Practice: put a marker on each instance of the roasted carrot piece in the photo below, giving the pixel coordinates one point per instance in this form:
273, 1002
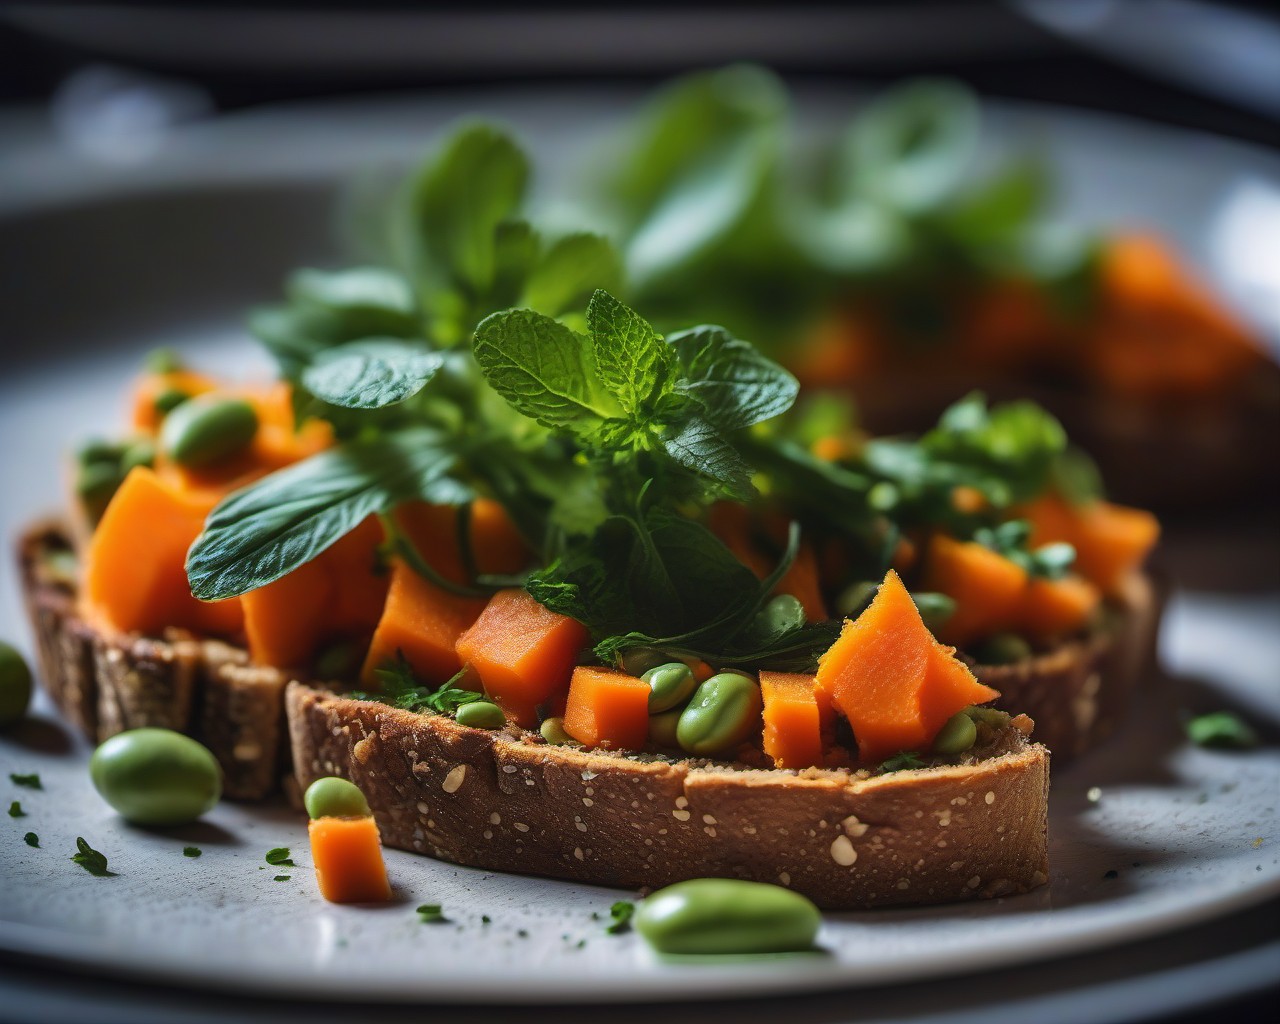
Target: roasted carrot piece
358, 586
607, 708
284, 621
731, 523
801, 582
347, 853
1055, 607
873, 673
894, 683
986, 587
523, 652
495, 542
1111, 541
798, 719
135, 578
423, 622
838, 351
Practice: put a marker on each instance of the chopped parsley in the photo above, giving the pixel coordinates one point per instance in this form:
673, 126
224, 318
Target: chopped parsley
16, 811
402, 689
31, 781
431, 913
485, 919
31, 839
621, 914
902, 761
281, 878
279, 857
191, 851
90, 859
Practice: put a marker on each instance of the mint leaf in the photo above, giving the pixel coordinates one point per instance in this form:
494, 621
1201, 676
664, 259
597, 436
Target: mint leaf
1223, 729
459, 200
544, 370
279, 857
1002, 204
31, 781
378, 297
901, 762
736, 385
370, 374
698, 446
620, 915
571, 269
32, 840
16, 811
265, 531
632, 361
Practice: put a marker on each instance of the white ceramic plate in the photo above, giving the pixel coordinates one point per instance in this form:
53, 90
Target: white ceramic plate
1190, 834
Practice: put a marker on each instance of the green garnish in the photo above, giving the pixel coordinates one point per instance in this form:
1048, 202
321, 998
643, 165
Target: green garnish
620, 914
90, 859
281, 878
31, 839
191, 851
1222, 729
902, 761
16, 811
431, 913
31, 781
279, 857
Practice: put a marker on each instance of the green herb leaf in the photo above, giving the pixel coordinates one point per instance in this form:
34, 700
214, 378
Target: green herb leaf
90, 859
736, 385
901, 762
544, 370
700, 447
279, 857
268, 529
191, 851
31, 839
370, 374
570, 271
281, 878
1223, 729
31, 781
620, 914
16, 811
371, 299
432, 913
632, 361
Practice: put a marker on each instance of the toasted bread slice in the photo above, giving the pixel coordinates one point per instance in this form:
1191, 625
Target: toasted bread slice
107, 682
508, 801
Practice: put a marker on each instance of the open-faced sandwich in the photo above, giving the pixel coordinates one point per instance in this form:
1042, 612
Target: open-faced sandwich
567, 597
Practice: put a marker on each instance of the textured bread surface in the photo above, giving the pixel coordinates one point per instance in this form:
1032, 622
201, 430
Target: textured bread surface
107, 682
506, 801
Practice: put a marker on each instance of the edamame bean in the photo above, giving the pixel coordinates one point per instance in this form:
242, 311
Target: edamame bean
208, 429
780, 615
156, 776
934, 609
333, 797
636, 661
552, 730
481, 714
662, 728
721, 714
15, 684
169, 399
141, 453
1002, 649
99, 451
97, 480
989, 717
957, 735
855, 597
727, 915
669, 685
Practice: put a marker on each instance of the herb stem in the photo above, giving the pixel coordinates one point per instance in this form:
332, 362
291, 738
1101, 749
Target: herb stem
404, 548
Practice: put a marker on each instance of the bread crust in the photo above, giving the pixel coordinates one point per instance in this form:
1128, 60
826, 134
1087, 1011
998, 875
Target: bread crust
106, 682
506, 801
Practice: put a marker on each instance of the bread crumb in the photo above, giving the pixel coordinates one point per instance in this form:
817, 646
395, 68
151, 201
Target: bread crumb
455, 778
842, 851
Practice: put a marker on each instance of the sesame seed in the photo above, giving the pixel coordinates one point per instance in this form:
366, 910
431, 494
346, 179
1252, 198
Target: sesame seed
680, 815
974, 882
990, 798
495, 818
454, 779
1094, 794
520, 826
842, 851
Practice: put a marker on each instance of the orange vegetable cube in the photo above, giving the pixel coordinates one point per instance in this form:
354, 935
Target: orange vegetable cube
798, 719
986, 587
523, 652
607, 709
1056, 607
347, 853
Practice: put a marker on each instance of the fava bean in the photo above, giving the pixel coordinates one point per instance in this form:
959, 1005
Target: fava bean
141, 453
723, 711
988, 716
552, 730
725, 916
934, 609
338, 661
662, 728
334, 797
156, 776
636, 661
169, 399
1002, 649
15, 684
957, 735
780, 615
669, 685
208, 429
481, 714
